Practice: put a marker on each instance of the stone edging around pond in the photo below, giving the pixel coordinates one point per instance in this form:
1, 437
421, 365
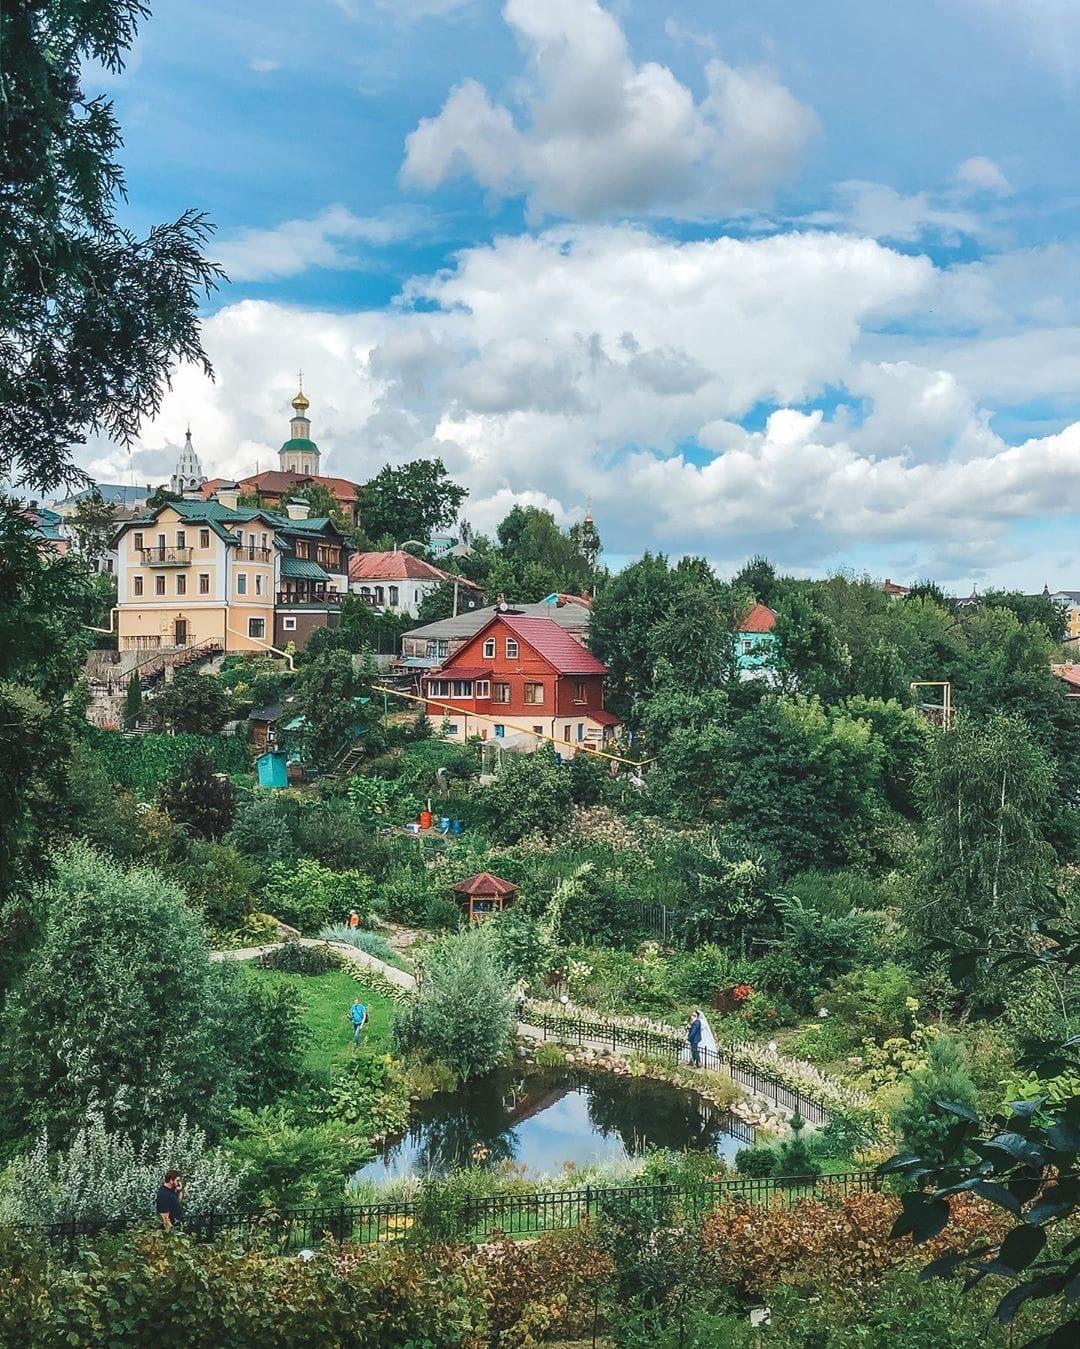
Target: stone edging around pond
714, 1087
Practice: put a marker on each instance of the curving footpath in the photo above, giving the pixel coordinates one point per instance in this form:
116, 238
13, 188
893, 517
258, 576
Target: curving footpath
350, 954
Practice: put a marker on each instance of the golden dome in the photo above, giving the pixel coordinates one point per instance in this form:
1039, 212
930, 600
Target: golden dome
300, 403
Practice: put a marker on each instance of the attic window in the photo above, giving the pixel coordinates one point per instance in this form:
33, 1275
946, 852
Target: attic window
511, 649
489, 649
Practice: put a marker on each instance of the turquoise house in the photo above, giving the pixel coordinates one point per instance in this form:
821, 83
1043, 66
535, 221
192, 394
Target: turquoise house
754, 641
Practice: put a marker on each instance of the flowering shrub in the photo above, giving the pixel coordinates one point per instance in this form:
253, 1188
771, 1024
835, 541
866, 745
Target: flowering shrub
827, 1245
741, 992
103, 1176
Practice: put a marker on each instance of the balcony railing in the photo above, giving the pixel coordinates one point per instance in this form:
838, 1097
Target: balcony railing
245, 553
166, 557
299, 598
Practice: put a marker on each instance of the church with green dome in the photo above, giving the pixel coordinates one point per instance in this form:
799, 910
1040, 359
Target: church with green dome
300, 454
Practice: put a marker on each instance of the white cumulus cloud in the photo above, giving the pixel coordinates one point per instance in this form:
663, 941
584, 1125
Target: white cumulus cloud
600, 135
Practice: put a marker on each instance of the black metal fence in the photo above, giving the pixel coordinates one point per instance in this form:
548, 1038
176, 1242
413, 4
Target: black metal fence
440, 1217
657, 1044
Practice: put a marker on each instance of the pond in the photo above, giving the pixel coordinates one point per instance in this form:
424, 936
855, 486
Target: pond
542, 1122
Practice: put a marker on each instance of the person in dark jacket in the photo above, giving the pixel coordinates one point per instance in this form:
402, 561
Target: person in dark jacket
693, 1036
170, 1207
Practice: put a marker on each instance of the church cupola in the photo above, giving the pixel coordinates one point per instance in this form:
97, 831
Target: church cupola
300, 454
188, 476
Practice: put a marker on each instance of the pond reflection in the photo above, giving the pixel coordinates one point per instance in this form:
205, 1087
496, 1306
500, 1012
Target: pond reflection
545, 1121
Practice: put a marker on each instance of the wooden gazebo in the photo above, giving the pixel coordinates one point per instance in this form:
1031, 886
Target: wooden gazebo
484, 895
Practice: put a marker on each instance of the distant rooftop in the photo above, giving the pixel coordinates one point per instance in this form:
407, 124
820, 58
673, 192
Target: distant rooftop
573, 616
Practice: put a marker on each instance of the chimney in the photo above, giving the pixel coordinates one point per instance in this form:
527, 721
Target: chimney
228, 495
296, 508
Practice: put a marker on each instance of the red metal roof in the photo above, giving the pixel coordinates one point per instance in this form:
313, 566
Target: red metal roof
396, 566
760, 619
281, 483
484, 883
1069, 673
604, 718
557, 646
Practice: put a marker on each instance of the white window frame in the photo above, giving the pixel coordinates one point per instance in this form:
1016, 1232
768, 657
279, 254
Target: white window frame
461, 688
483, 688
511, 649
137, 587
500, 685
288, 624
489, 648
159, 584
204, 576
533, 702
181, 583
241, 583
258, 583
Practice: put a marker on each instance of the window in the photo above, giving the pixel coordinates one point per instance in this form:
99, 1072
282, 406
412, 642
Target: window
181, 538
580, 731
438, 688
241, 583
159, 585
489, 649
204, 583
136, 585
393, 594
258, 583
579, 690
534, 694
442, 648
108, 565
538, 730
138, 543
288, 624
451, 728
566, 733
181, 584
483, 688
264, 540
462, 688
378, 595
161, 542
500, 730
511, 649
747, 646
502, 693
204, 538
257, 628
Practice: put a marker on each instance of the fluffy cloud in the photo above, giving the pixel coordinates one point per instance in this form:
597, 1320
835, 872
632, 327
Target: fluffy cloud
321, 241
602, 135
983, 175
583, 362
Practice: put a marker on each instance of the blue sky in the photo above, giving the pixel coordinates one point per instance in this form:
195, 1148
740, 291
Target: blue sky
782, 277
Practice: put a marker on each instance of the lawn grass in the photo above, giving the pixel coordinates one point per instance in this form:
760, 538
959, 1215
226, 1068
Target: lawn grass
327, 999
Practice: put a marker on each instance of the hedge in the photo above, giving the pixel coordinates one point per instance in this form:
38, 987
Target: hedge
141, 763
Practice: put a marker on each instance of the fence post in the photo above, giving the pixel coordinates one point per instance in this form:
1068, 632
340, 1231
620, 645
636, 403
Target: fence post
588, 1203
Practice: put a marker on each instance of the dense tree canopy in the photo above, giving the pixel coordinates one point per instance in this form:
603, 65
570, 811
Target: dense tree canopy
410, 502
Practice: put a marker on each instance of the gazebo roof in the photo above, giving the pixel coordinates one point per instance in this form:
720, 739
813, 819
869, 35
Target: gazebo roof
484, 883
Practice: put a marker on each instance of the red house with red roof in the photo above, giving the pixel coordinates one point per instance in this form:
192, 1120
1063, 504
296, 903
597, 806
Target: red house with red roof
522, 676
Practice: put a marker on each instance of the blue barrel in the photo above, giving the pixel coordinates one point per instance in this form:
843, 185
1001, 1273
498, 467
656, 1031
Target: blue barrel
455, 827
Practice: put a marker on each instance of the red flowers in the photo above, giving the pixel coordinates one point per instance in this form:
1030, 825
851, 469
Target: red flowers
741, 992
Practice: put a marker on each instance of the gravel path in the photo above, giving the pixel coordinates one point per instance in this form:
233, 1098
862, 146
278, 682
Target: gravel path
350, 954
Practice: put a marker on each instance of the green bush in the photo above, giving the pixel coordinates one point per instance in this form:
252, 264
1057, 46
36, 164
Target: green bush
292, 957
309, 896
370, 1095
464, 1012
924, 1131
531, 795
756, 1162
288, 1165
220, 883
142, 763
371, 943
794, 1157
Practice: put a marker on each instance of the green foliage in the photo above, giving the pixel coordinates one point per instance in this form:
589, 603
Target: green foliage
624, 614
372, 943
537, 558
410, 501
120, 1006
194, 704
92, 318
590, 780
810, 656
220, 882
373, 798
985, 861
370, 1095
132, 702
142, 763
103, 1176
945, 1077
793, 1157
524, 945
757, 1162
463, 1013
309, 896
292, 957
271, 1025
286, 1165
199, 799
532, 794
325, 696
804, 781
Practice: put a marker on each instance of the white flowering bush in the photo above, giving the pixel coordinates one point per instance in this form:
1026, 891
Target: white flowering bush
102, 1176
